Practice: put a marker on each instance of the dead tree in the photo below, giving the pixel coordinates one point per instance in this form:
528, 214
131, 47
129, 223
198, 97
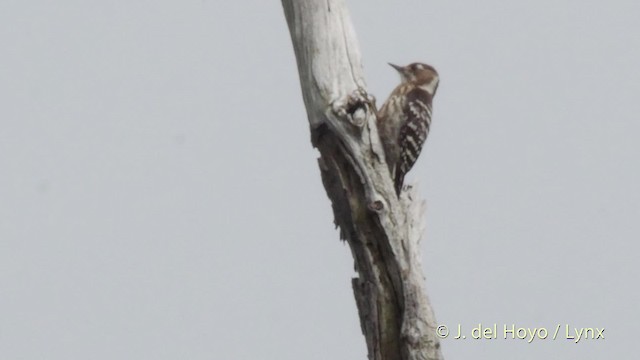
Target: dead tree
382, 231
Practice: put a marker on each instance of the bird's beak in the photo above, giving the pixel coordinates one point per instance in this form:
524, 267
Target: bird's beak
399, 69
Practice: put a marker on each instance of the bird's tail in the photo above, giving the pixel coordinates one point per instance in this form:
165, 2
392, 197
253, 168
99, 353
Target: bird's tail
399, 180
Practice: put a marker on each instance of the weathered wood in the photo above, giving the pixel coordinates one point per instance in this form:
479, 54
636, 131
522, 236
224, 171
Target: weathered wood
383, 232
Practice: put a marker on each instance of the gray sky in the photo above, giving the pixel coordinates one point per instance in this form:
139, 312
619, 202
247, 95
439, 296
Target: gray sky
160, 199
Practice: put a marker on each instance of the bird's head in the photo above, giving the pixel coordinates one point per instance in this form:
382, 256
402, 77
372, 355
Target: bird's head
422, 75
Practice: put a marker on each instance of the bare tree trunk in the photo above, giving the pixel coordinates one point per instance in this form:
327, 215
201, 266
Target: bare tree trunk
383, 231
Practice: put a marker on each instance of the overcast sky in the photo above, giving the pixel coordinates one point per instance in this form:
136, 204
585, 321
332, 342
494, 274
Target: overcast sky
160, 198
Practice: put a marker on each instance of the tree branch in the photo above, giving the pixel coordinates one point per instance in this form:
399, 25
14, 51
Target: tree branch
383, 231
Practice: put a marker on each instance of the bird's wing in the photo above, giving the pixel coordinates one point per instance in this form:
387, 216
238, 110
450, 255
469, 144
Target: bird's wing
413, 133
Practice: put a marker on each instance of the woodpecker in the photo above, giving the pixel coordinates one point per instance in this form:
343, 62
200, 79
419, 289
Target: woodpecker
405, 118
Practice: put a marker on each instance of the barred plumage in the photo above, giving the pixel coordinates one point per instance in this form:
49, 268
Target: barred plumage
405, 118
